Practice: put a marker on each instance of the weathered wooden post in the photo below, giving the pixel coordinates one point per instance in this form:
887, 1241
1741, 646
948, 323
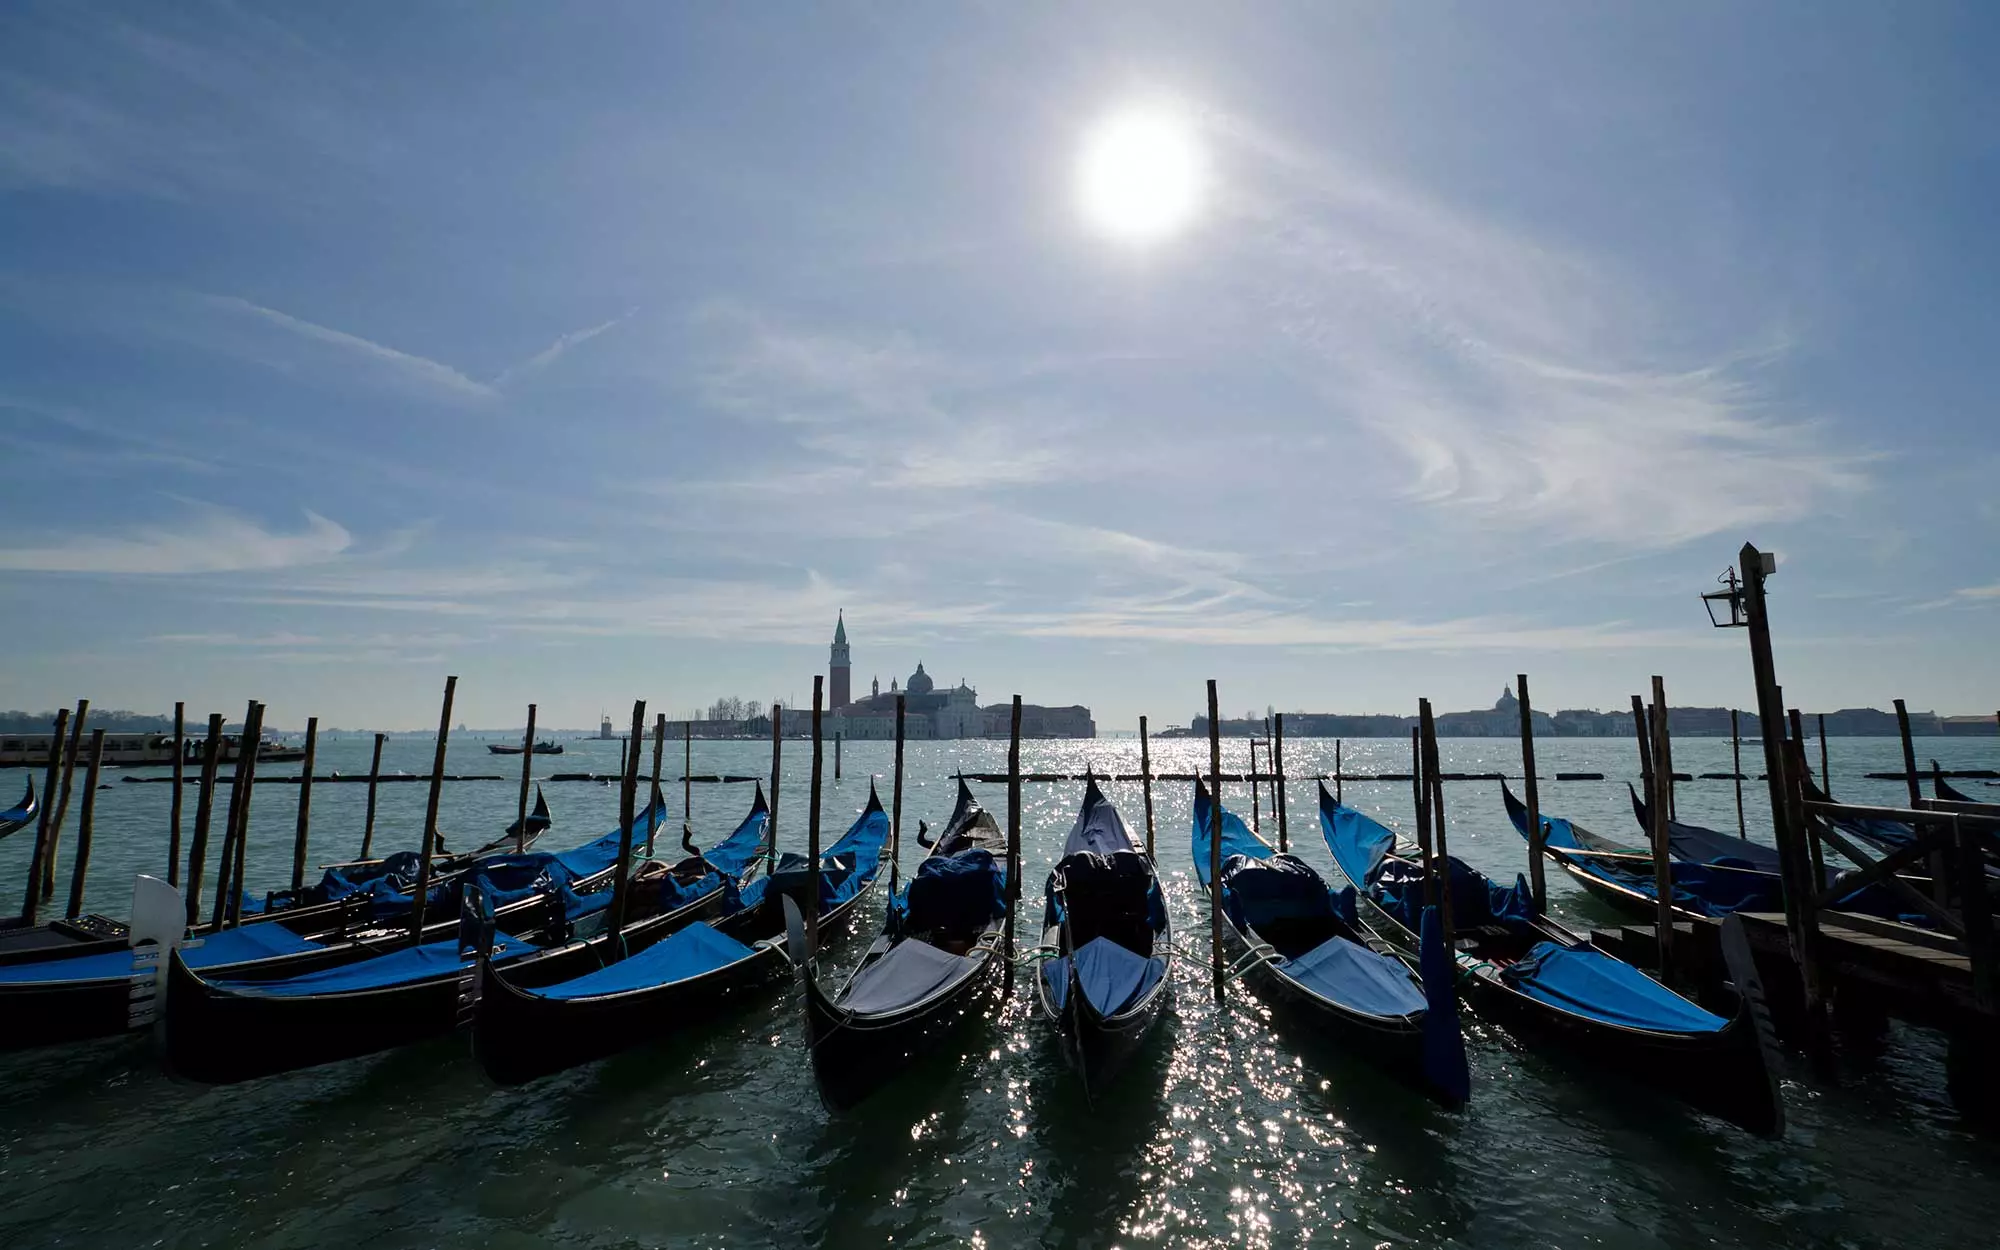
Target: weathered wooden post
1013, 831
659, 754
86, 825
1215, 839
374, 780
1644, 733
837, 738
687, 771
1663, 876
1825, 760
1420, 794
1435, 773
812, 818
1939, 862
1256, 818
204, 814
896, 802
1278, 767
238, 873
1338, 768
225, 863
299, 839
1909, 753
1537, 836
431, 814
174, 806
1812, 843
1787, 817
628, 816
1736, 767
1663, 752
1146, 783
527, 779
777, 769
31, 900
71, 754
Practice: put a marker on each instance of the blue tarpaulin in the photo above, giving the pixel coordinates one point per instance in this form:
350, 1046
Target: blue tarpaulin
408, 966
1236, 836
1591, 983
1112, 977
1358, 843
1357, 978
1284, 887
954, 893
231, 946
691, 952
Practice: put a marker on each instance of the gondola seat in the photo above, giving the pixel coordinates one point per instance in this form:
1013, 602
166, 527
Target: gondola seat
1110, 896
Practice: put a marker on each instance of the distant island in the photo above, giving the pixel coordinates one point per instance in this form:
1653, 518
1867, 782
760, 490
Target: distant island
1503, 720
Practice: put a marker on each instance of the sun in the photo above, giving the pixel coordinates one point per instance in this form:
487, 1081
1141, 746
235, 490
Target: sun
1140, 175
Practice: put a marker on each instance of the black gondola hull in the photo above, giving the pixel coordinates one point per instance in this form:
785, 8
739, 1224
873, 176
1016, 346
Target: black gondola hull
853, 1056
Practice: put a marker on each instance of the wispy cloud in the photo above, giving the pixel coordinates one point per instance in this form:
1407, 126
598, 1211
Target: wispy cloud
212, 540
1520, 383
554, 351
418, 369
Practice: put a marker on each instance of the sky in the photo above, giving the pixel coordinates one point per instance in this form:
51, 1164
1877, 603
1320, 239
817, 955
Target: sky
604, 352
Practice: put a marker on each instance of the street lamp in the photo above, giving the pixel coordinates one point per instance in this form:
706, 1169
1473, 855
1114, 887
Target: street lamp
1734, 595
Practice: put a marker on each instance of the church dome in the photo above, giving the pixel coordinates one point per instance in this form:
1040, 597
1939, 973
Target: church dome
919, 683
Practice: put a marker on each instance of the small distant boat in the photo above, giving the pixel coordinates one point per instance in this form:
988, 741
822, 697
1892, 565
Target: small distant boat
22, 814
1308, 951
933, 967
536, 1016
548, 747
1107, 979
1549, 985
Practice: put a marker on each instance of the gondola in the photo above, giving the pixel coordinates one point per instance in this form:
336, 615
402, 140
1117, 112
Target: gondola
1107, 978
1621, 875
75, 996
250, 1024
936, 963
1306, 951
1551, 986
540, 748
536, 1015
1942, 788
347, 898
22, 814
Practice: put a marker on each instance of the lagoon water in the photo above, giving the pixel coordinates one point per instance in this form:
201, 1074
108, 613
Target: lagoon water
1228, 1132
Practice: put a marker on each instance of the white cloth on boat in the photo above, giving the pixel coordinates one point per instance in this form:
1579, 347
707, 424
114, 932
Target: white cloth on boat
1101, 829
911, 971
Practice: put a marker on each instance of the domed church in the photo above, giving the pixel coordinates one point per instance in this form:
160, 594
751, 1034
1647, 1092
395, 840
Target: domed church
932, 713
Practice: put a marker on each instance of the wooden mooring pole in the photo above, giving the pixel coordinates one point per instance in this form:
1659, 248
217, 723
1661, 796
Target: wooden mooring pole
527, 779
777, 769
1278, 792
1420, 795
1434, 772
1736, 767
430, 835
204, 814
1663, 748
1215, 839
1338, 797
1657, 808
174, 806
837, 738
1644, 733
1146, 783
896, 801
1537, 836
70, 756
628, 816
1825, 760
812, 816
374, 781
304, 831
1013, 830
687, 771
659, 754
86, 825
31, 900
239, 798
1256, 816
1812, 843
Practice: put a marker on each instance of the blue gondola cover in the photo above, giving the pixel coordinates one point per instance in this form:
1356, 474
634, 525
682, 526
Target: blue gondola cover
1357, 978
404, 967
1112, 977
690, 952
954, 893
1592, 983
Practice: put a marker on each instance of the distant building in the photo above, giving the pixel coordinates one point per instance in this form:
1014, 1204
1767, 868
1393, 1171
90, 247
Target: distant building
837, 667
929, 712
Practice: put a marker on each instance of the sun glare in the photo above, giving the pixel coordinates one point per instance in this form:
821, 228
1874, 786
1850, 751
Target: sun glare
1140, 176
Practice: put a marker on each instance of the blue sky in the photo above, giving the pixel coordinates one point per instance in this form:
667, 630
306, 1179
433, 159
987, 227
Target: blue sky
605, 352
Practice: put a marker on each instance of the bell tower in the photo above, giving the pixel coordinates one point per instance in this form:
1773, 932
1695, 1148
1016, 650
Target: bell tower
837, 668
